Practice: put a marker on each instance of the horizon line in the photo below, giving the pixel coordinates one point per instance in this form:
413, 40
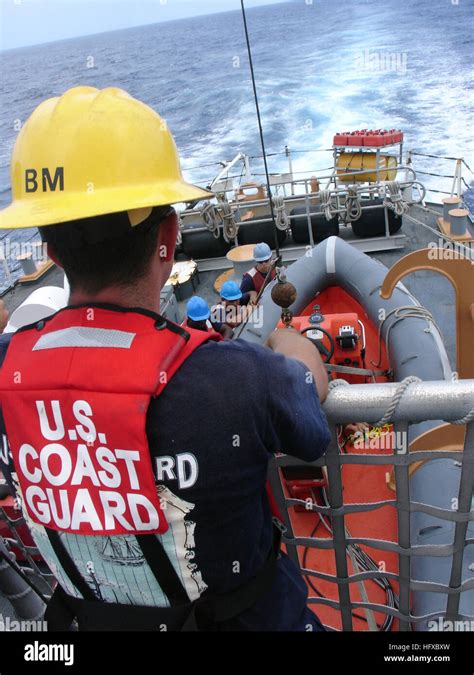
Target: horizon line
152, 23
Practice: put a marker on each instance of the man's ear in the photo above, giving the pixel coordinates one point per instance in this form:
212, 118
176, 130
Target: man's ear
52, 255
167, 237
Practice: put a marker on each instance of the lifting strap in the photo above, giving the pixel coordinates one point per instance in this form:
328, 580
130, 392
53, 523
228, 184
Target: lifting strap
351, 370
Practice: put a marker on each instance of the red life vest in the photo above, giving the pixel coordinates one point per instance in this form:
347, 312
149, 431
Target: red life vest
75, 390
258, 278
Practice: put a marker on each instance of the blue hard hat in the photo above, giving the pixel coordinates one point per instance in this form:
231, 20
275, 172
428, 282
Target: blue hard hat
262, 252
197, 309
230, 291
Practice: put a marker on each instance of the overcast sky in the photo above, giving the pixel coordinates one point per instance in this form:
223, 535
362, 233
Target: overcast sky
29, 22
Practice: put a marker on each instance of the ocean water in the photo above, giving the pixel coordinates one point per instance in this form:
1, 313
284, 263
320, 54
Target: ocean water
321, 67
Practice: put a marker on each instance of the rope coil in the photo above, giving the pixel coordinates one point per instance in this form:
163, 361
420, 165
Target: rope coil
230, 229
399, 314
282, 219
394, 200
210, 216
326, 204
353, 205
179, 236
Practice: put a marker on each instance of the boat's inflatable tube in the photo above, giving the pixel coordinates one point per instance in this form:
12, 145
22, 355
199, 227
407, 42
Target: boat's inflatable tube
413, 350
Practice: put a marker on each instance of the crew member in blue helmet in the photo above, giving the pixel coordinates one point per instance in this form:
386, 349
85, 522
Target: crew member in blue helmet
254, 280
199, 317
198, 313
230, 310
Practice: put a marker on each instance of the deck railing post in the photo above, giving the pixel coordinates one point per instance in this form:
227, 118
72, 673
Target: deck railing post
273, 476
336, 501
464, 505
402, 481
308, 216
290, 167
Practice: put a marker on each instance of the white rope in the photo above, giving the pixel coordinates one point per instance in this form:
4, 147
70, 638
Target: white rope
353, 205
282, 220
336, 383
399, 314
394, 200
230, 228
326, 204
179, 236
210, 216
464, 420
397, 396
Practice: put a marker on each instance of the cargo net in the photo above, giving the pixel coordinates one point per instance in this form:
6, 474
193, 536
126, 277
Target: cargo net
26, 582
348, 589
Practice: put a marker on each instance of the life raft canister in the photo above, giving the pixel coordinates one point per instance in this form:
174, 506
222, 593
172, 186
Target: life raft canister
368, 137
75, 390
383, 167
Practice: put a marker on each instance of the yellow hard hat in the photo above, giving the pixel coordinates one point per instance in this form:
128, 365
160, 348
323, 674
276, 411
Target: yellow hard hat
92, 152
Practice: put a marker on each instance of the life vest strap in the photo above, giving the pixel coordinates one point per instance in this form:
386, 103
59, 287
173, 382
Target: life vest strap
203, 614
154, 554
162, 568
68, 565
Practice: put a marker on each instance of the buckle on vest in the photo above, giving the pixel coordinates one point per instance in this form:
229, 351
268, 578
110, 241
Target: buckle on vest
161, 324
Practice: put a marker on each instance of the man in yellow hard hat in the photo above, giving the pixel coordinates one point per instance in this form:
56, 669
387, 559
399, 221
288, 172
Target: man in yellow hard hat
143, 488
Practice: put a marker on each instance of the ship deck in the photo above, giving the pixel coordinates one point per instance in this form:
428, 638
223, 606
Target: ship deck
431, 289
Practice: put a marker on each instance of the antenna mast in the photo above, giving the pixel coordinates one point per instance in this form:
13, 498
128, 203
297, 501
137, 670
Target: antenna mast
262, 141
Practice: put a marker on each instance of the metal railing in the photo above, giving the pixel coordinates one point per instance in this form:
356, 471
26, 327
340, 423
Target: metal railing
295, 190
458, 185
335, 207
448, 401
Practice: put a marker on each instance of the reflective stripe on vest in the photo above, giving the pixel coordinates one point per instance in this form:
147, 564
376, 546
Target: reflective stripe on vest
75, 390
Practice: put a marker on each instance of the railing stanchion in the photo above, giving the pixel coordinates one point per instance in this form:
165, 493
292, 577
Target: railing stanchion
273, 476
464, 505
336, 501
402, 481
